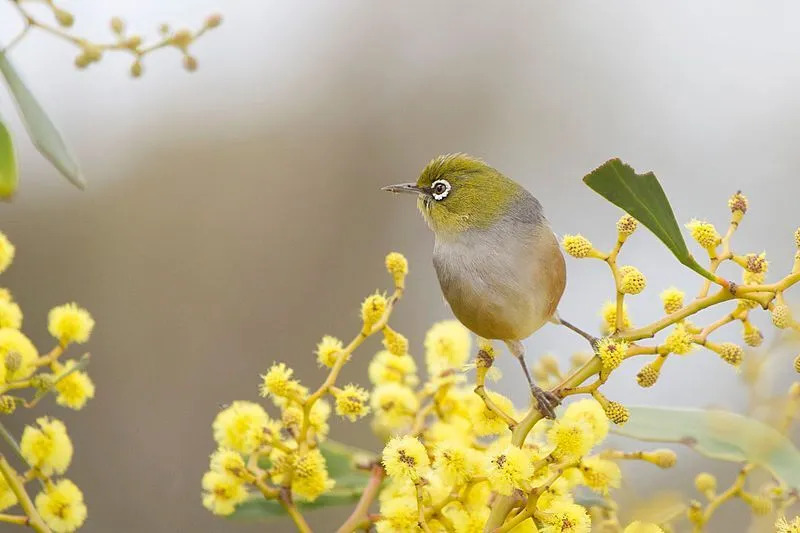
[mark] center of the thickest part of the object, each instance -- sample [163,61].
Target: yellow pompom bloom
[508,469]
[386,367]
[70,323]
[47,447]
[405,458]
[278,383]
[7,496]
[577,246]
[230,462]
[455,462]
[611,352]
[564,517]
[233,425]
[397,266]
[351,402]
[328,350]
[75,388]
[672,299]
[6,252]
[10,315]
[680,341]
[395,343]
[61,506]
[591,412]
[631,280]
[609,314]
[487,422]
[16,347]
[310,477]
[781,316]
[222,492]
[642,527]
[372,309]
[572,438]
[600,475]
[784,526]
[395,405]
[447,346]
[626,225]
[399,515]
[704,233]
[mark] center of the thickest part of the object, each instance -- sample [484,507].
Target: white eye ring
[443,194]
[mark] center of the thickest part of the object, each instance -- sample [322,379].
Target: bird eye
[440,189]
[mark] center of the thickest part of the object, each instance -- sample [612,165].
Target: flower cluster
[45,448]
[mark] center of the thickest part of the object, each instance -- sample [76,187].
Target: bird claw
[546,402]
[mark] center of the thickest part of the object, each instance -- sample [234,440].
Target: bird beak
[403,187]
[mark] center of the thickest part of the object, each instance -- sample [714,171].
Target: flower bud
[738,205]
[616,412]
[394,342]
[397,266]
[756,263]
[133,42]
[43,382]
[730,353]
[695,514]
[704,233]
[672,299]
[797,364]
[797,237]
[631,280]
[117,25]
[781,316]
[7,404]
[648,375]
[213,20]
[760,505]
[189,63]
[136,69]
[64,18]
[705,482]
[752,335]
[577,246]
[662,458]
[181,39]
[626,225]
[13,361]
[372,309]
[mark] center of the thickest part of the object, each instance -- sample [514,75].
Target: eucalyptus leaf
[642,197]
[41,129]
[719,435]
[9,175]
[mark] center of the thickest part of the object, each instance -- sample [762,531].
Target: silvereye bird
[498,262]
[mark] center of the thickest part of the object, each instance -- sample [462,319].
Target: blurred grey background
[233,216]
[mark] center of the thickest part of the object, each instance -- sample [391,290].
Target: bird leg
[546,401]
[590,338]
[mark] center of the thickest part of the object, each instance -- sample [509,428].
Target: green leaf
[342,461]
[642,197]
[41,129]
[9,177]
[719,435]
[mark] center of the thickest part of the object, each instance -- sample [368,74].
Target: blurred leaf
[719,435]
[641,196]
[350,482]
[659,508]
[9,177]
[41,129]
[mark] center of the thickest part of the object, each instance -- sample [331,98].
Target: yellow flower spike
[563,517]
[47,447]
[759,504]
[75,388]
[394,405]
[455,462]
[609,314]
[600,475]
[632,281]
[680,340]
[61,506]
[10,315]
[642,527]
[351,402]
[611,352]
[328,350]
[278,383]
[394,342]
[397,266]
[738,205]
[729,352]
[508,469]
[662,457]
[398,515]
[17,355]
[6,252]
[447,346]
[577,246]
[751,335]
[372,309]
[222,493]
[233,425]
[672,299]
[388,368]
[782,525]
[405,458]
[781,316]
[310,479]
[572,438]
[704,233]
[626,225]
[69,323]
[591,412]
[7,496]
[485,421]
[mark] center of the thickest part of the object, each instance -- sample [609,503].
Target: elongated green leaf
[9,176]
[642,197]
[720,435]
[350,482]
[41,129]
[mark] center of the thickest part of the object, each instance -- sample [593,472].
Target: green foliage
[350,482]
[9,177]
[642,197]
[41,129]
[719,435]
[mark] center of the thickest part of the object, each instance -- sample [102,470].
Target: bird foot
[546,402]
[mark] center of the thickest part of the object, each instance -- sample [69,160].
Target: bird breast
[504,282]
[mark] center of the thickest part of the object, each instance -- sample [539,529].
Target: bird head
[458,192]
